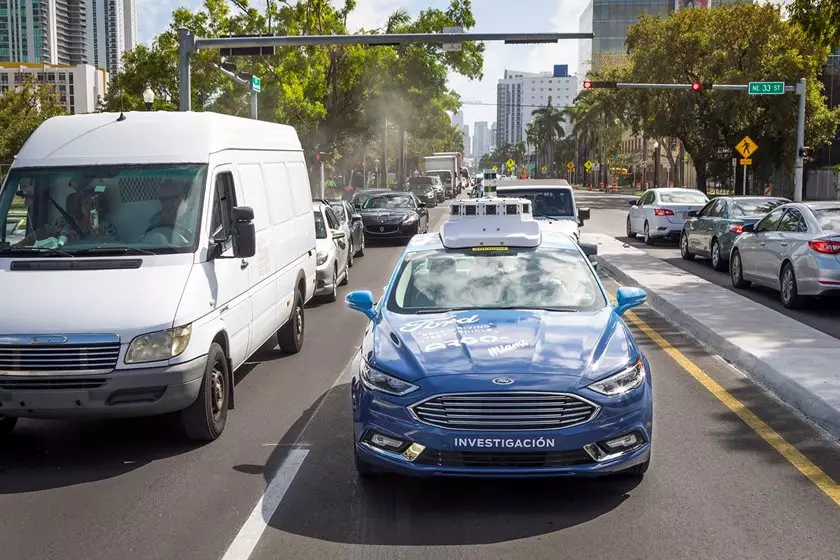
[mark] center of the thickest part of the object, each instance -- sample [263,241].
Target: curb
[789,391]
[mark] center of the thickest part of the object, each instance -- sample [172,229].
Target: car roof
[534,187]
[823,204]
[550,240]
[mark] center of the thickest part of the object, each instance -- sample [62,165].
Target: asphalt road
[609,216]
[135,490]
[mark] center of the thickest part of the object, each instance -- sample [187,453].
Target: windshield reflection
[548,203]
[388,201]
[82,210]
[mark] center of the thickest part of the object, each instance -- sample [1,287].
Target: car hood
[385,215]
[562,224]
[583,346]
[129,301]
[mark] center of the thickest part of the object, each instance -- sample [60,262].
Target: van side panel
[304,221]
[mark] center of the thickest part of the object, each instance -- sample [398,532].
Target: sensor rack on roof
[492,222]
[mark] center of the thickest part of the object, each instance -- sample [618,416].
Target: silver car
[794,249]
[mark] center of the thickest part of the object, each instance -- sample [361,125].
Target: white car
[661,213]
[554,206]
[332,246]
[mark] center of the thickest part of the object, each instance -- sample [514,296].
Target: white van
[160,251]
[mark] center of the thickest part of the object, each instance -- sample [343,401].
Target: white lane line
[249,535]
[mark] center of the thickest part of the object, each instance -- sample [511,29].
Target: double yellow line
[768,434]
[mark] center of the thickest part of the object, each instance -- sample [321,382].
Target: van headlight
[158,346]
[378,381]
[322,257]
[622,382]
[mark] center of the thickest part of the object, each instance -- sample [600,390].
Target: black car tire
[648,238]
[361,251]
[736,271]
[630,233]
[718,263]
[331,297]
[290,336]
[346,279]
[351,252]
[205,419]
[792,300]
[7,425]
[684,252]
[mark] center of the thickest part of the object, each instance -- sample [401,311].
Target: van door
[231,280]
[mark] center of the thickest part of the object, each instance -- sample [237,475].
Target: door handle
[243,265]
[762,243]
[783,243]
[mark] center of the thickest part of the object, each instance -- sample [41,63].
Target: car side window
[647,198]
[704,212]
[224,200]
[714,209]
[723,208]
[770,221]
[332,220]
[793,222]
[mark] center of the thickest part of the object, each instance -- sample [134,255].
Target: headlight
[157,346]
[378,381]
[410,219]
[622,382]
[322,257]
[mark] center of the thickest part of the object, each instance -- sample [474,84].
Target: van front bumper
[122,393]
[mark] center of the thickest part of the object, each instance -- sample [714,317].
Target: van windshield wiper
[115,251]
[10,250]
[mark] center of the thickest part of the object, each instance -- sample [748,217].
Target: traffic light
[319,156]
[700,86]
[806,152]
[588,84]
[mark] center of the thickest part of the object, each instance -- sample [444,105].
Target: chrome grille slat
[505,411]
[34,359]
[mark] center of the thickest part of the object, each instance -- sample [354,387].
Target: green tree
[546,130]
[728,44]
[22,110]
[819,18]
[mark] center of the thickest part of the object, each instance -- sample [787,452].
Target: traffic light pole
[239,80]
[799,89]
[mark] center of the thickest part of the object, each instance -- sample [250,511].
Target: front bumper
[391,231]
[481,453]
[324,278]
[123,393]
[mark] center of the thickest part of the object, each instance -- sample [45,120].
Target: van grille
[59,358]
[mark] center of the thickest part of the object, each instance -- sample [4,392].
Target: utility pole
[401,173]
[384,165]
[800,144]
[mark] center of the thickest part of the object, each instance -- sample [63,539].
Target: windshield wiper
[39,250]
[116,251]
[535,308]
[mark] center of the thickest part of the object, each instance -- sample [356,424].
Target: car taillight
[737,229]
[825,246]
[662,212]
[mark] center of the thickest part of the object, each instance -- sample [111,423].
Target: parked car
[175,283]
[440,190]
[795,249]
[712,231]
[423,188]
[351,220]
[446,180]
[553,206]
[394,215]
[359,197]
[332,250]
[660,213]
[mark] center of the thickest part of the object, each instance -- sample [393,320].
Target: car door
[342,246]
[696,229]
[787,241]
[711,225]
[231,275]
[756,260]
[423,212]
[636,212]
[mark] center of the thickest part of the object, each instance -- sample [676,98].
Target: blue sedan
[499,362]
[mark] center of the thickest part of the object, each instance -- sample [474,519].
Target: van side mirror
[244,232]
[583,215]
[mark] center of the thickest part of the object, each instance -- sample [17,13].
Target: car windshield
[339,211]
[755,206]
[88,210]
[420,181]
[527,278]
[388,201]
[547,203]
[320,226]
[683,197]
[828,218]
[444,176]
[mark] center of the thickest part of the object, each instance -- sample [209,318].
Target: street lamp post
[148,98]
[655,164]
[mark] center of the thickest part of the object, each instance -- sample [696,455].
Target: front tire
[350,254]
[361,252]
[7,425]
[736,271]
[648,238]
[347,266]
[630,233]
[684,252]
[290,336]
[205,419]
[717,259]
[789,291]
[332,296]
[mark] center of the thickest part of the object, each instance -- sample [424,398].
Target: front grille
[433,457]
[383,228]
[55,358]
[505,411]
[42,383]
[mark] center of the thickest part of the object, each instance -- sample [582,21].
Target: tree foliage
[819,18]
[337,97]
[22,110]
[724,45]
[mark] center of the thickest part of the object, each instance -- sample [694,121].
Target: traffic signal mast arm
[694,86]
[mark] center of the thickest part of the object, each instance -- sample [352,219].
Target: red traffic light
[587,84]
[317,156]
[696,86]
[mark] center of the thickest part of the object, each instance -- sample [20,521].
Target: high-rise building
[520,94]
[467,140]
[113,30]
[481,139]
[492,138]
[457,118]
[79,88]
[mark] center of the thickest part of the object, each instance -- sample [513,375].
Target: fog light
[414,450]
[385,442]
[321,284]
[623,442]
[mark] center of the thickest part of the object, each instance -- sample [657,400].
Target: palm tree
[548,129]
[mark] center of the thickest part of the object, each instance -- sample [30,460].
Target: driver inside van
[172,195]
[80,218]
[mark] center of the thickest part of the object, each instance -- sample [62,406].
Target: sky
[492,16]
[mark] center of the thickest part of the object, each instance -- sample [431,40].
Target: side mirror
[692,213]
[357,206]
[748,228]
[633,202]
[589,249]
[628,298]
[338,235]
[357,218]
[361,300]
[583,214]
[421,204]
[244,233]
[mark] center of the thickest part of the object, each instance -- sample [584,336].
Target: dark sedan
[348,216]
[360,196]
[394,215]
[424,189]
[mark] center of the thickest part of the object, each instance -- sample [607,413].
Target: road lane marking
[249,535]
[768,434]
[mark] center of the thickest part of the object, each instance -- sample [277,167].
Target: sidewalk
[796,362]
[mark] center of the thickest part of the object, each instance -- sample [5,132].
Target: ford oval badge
[503,381]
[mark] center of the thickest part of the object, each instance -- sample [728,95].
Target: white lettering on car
[530,443]
[466,340]
[506,348]
[430,324]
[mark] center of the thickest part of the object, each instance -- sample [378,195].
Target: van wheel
[205,419]
[7,425]
[290,335]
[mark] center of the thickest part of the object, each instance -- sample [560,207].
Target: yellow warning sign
[746,147]
[746,161]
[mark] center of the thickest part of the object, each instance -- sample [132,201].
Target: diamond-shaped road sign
[588,165]
[510,163]
[570,166]
[746,147]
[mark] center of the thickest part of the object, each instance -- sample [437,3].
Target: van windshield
[90,211]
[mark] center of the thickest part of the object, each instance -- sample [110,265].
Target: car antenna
[122,114]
